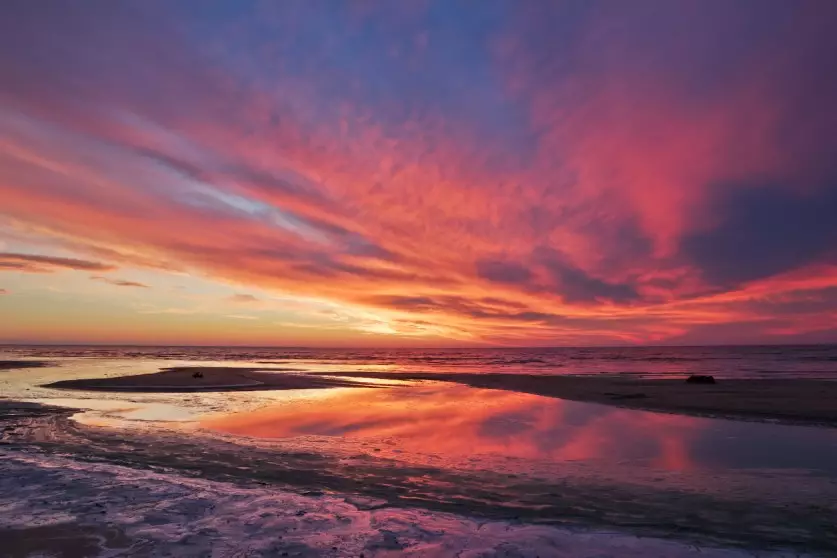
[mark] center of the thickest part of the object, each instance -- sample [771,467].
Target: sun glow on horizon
[513,175]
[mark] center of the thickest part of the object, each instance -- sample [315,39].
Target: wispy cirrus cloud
[242,298]
[574,173]
[36,263]
[119,282]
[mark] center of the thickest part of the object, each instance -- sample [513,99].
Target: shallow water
[50,504]
[423,451]
[450,422]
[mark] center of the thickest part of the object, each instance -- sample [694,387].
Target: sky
[418,173]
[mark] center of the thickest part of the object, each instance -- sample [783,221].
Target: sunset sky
[418,173]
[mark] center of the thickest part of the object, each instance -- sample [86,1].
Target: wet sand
[186,483]
[66,540]
[211,378]
[18,364]
[787,401]
[55,506]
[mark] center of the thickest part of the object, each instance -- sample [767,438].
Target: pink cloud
[613,183]
[35,263]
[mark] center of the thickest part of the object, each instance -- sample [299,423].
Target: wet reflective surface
[50,506]
[101,411]
[441,466]
[453,421]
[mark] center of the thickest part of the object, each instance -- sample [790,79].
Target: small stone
[700,379]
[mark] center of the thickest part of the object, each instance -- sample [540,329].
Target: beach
[787,401]
[116,510]
[421,279]
[139,455]
[206,378]
[19,364]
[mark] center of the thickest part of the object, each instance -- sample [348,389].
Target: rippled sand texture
[93,508]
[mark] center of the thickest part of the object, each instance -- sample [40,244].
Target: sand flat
[18,364]
[788,401]
[211,378]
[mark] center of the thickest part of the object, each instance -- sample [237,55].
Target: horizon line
[449,348]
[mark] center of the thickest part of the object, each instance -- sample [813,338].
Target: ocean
[767,361]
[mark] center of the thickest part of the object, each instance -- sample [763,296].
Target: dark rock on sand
[700,379]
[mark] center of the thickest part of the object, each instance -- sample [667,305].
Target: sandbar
[210,378]
[17,364]
[787,401]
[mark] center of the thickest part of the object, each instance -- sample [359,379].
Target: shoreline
[21,364]
[797,402]
[794,402]
[106,508]
[212,379]
[646,508]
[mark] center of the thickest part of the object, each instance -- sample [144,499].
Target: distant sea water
[768,361]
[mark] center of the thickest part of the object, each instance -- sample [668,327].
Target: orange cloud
[119,282]
[242,298]
[34,263]
[615,182]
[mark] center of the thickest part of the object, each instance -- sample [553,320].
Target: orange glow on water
[461,422]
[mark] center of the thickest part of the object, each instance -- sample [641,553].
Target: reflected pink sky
[461,422]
